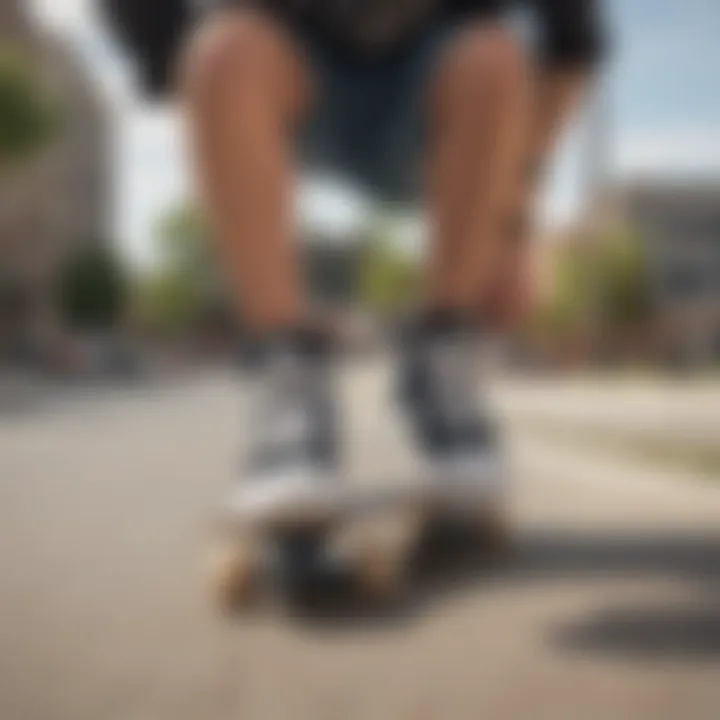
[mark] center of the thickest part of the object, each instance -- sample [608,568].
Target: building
[59,200]
[679,224]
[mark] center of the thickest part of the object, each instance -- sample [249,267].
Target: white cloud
[685,149]
[330,208]
[152,176]
[68,15]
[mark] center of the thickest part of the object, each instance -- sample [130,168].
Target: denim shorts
[370,122]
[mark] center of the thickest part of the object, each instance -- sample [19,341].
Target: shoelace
[290,409]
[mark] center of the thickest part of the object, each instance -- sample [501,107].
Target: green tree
[598,285]
[389,278]
[570,303]
[625,298]
[93,290]
[27,116]
[183,241]
[183,289]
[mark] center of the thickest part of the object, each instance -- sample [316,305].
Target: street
[608,606]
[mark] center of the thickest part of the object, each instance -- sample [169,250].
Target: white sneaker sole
[466,481]
[297,498]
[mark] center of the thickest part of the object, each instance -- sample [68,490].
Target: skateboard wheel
[384,565]
[493,530]
[233,572]
[381,579]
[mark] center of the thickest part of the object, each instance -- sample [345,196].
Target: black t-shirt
[570,31]
[368,27]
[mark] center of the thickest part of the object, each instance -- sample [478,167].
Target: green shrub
[93,290]
[27,116]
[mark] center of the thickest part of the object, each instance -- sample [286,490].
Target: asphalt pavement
[608,607]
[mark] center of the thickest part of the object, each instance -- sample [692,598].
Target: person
[432,100]
[577,42]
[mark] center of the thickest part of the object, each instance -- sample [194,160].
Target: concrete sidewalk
[609,606]
[685,412]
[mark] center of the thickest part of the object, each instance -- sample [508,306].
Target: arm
[572,45]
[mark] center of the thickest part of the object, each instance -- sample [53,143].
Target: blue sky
[663,89]
[667,69]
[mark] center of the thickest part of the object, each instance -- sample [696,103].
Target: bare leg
[480,110]
[245,88]
[480,102]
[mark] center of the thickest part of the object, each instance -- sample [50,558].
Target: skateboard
[367,547]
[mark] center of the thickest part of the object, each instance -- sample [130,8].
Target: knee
[236,45]
[490,59]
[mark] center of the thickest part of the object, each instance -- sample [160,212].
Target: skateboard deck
[367,545]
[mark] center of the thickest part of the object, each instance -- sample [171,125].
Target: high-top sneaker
[454,433]
[291,472]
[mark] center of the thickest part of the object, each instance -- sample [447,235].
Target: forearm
[558,96]
[565,67]
[573,43]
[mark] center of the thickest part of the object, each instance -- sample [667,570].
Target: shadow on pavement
[643,633]
[679,631]
[546,557]
[55,395]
